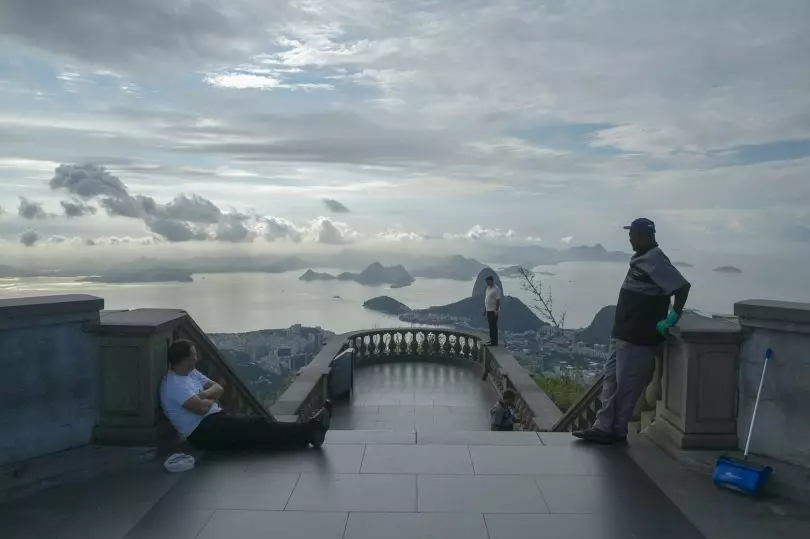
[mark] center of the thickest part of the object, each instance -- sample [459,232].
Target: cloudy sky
[310,122]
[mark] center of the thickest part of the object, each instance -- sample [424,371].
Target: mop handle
[768,354]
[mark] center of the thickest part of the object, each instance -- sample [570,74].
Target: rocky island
[728,269]
[310,275]
[386,305]
[374,275]
[682,265]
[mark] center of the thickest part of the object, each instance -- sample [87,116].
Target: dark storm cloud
[29,238]
[29,209]
[76,208]
[88,181]
[335,206]
[114,32]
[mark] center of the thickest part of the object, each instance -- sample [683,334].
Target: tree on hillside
[542,303]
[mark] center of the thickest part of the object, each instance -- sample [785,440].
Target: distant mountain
[480,284]
[601,327]
[154,275]
[515,315]
[535,255]
[682,265]
[310,275]
[728,269]
[387,305]
[291,263]
[511,272]
[374,275]
[454,267]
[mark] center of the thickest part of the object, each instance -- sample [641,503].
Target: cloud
[175,231]
[88,181]
[477,233]
[567,240]
[192,208]
[327,232]
[29,209]
[335,206]
[29,238]
[276,228]
[234,230]
[2,210]
[76,208]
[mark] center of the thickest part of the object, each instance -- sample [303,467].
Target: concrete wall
[49,374]
[782,429]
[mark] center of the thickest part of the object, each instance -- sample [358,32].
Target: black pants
[224,430]
[493,327]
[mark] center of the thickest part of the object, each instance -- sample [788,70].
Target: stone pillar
[50,369]
[698,407]
[133,346]
[782,430]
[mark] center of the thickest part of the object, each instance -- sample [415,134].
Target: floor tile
[166,522]
[558,438]
[354,492]
[527,460]
[479,494]
[370,437]
[30,522]
[275,525]
[444,437]
[415,525]
[417,459]
[589,493]
[265,491]
[336,458]
[109,522]
[554,527]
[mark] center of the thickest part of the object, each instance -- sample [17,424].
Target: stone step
[432,437]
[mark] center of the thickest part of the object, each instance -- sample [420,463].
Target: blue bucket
[740,476]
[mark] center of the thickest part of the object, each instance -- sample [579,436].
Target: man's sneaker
[594,435]
[317,438]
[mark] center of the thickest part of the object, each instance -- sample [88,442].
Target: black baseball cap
[642,225]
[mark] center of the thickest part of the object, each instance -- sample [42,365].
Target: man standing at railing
[492,307]
[190,402]
[643,319]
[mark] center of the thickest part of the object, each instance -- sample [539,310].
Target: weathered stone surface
[50,381]
[782,429]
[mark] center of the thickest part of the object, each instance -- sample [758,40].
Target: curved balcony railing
[430,344]
[535,409]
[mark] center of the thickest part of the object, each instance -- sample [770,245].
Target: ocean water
[236,302]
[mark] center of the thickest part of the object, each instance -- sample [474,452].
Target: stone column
[698,407]
[782,429]
[133,347]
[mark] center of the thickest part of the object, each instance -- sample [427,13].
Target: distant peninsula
[516,316]
[386,305]
[374,275]
[516,271]
[728,269]
[139,276]
[682,265]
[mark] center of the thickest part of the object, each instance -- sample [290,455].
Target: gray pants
[628,370]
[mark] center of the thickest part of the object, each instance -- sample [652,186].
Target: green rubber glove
[663,326]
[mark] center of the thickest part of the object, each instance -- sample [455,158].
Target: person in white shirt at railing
[190,402]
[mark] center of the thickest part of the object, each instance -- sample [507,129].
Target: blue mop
[741,475]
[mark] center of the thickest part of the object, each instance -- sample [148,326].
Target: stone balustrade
[535,409]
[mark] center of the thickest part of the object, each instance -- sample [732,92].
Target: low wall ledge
[49,305]
[771,310]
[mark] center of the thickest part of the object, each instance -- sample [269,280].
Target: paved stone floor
[416,396]
[430,482]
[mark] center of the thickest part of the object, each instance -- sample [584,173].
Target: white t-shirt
[493,293]
[175,389]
